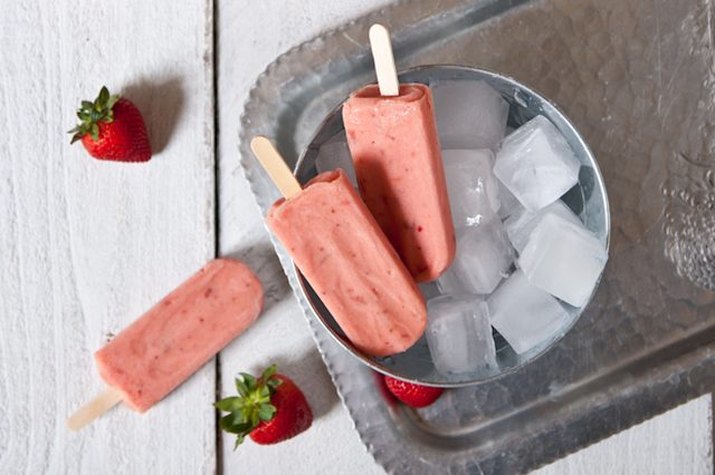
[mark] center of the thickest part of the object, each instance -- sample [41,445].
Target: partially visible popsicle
[393,140]
[177,336]
[341,251]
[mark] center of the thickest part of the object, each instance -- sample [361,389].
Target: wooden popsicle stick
[273,163]
[384,61]
[94,408]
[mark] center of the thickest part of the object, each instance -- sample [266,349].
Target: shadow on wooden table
[161,102]
[309,373]
[306,368]
[263,261]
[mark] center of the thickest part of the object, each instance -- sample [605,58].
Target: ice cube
[508,204]
[469,114]
[484,256]
[564,259]
[536,164]
[520,224]
[473,188]
[334,154]
[525,315]
[459,335]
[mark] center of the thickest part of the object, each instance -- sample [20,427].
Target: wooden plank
[678,441]
[249,39]
[87,246]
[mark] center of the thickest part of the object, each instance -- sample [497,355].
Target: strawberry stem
[251,406]
[90,114]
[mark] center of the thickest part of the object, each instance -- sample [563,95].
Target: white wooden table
[86,246]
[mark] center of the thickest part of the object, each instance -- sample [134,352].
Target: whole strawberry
[112,128]
[270,409]
[414,395]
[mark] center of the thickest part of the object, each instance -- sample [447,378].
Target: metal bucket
[587,199]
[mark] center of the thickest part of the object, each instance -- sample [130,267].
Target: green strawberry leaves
[266,412]
[91,113]
[251,406]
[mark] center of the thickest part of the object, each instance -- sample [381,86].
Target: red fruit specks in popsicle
[208,292]
[419,229]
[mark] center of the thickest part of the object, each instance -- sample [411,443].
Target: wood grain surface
[249,40]
[86,246]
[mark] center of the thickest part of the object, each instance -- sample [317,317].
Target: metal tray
[636,78]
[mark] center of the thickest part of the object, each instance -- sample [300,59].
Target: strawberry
[270,409]
[112,128]
[414,395]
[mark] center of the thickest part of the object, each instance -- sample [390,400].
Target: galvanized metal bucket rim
[518,86]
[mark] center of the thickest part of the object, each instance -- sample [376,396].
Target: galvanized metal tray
[637,80]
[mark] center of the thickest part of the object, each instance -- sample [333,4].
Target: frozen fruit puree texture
[160,350]
[395,149]
[341,251]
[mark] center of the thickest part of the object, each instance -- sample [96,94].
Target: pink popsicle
[340,249]
[160,350]
[395,149]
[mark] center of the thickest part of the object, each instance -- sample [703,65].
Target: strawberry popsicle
[338,246]
[160,350]
[395,149]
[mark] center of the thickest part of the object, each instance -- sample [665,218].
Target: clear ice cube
[473,188]
[334,154]
[469,114]
[459,334]
[508,204]
[564,259]
[484,256]
[521,223]
[525,315]
[536,164]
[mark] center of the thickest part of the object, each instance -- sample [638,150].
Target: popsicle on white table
[177,336]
